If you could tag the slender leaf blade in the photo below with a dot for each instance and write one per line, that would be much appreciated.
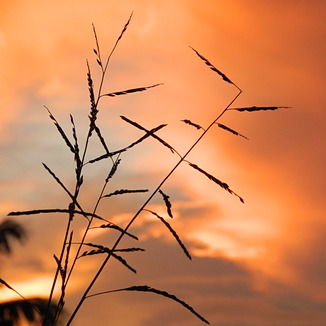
(224, 77)
(174, 233)
(131, 90)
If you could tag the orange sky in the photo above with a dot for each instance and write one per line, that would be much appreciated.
(261, 263)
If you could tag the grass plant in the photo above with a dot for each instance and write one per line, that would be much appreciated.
(74, 249)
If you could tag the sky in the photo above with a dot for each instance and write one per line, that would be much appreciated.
(258, 263)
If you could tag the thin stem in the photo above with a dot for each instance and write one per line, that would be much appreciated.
(78, 183)
(87, 229)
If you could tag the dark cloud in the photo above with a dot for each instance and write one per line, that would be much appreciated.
(222, 290)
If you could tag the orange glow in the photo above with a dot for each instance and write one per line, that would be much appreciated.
(36, 287)
(274, 51)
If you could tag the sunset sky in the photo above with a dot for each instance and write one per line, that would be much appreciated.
(261, 263)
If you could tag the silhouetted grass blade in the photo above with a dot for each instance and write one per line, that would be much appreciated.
(132, 90)
(133, 249)
(167, 203)
(67, 254)
(3, 282)
(107, 155)
(230, 130)
(94, 111)
(103, 249)
(58, 181)
(115, 46)
(148, 134)
(115, 227)
(53, 210)
(125, 191)
(192, 124)
(173, 233)
(92, 253)
(212, 67)
(97, 51)
(10, 288)
(76, 146)
(135, 124)
(113, 169)
(146, 288)
(62, 271)
(124, 28)
(101, 138)
(260, 108)
(220, 183)
(57, 210)
(62, 133)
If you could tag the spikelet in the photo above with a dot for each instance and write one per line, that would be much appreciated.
(132, 90)
(192, 124)
(230, 130)
(125, 191)
(224, 77)
(146, 288)
(259, 108)
(220, 183)
(167, 203)
(135, 124)
(61, 131)
(175, 235)
(94, 111)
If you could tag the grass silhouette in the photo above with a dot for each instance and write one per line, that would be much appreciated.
(66, 259)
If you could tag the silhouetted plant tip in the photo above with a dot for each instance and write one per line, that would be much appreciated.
(61, 269)
(125, 191)
(62, 133)
(129, 249)
(54, 210)
(94, 110)
(58, 180)
(101, 138)
(167, 202)
(97, 50)
(220, 183)
(67, 256)
(260, 108)
(148, 134)
(213, 67)
(124, 28)
(192, 124)
(174, 233)
(115, 227)
(146, 288)
(230, 130)
(132, 90)
(111, 252)
(120, 151)
(113, 169)
(3, 282)
(135, 124)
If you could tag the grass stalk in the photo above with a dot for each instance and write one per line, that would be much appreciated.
(182, 159)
